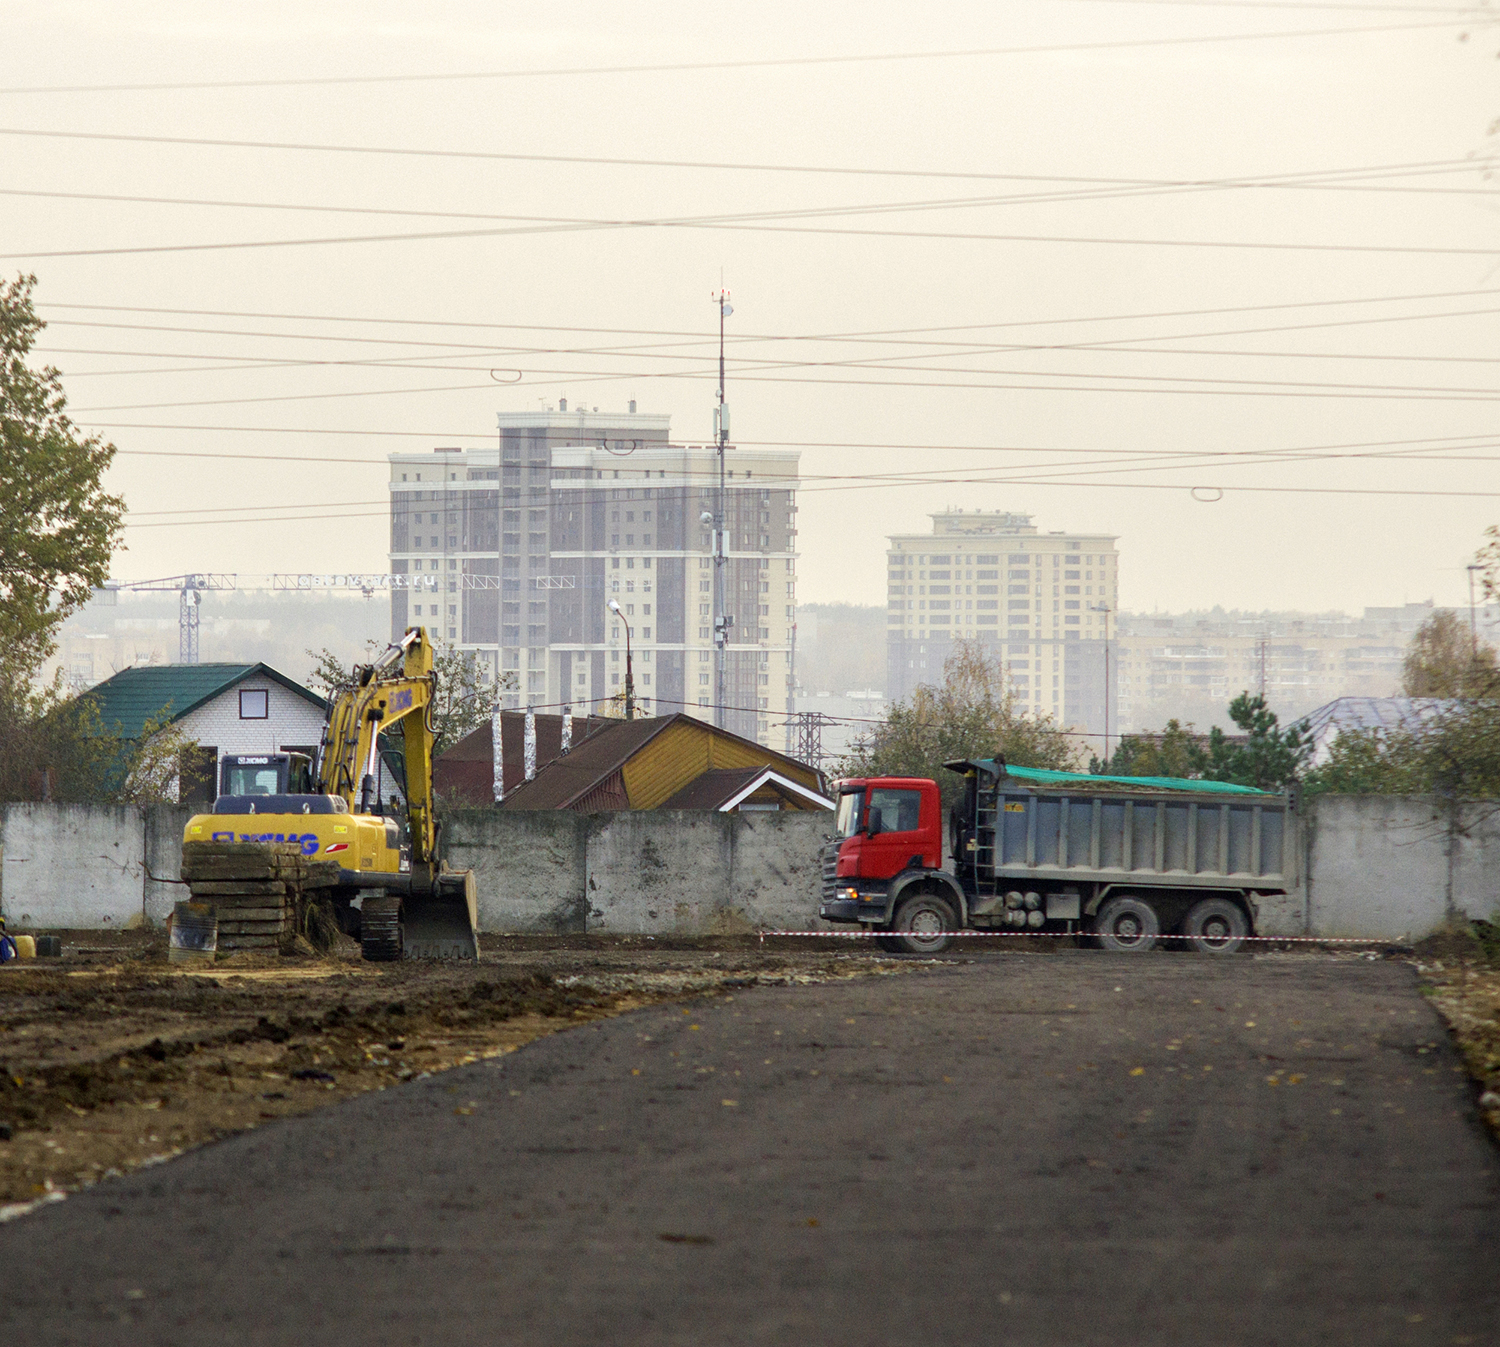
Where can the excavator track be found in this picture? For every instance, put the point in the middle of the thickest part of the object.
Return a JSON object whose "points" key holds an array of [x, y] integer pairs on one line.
{"points": [[380, 929]]}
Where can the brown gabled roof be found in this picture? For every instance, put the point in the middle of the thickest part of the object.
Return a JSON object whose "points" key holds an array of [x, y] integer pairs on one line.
{"points": [[564, 781], [595, 767], [716, 787], [713, 787], [466, 769]]}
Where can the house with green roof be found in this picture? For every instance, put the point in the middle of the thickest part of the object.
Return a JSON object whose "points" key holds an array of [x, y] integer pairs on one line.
{"points": [[224, 708]]}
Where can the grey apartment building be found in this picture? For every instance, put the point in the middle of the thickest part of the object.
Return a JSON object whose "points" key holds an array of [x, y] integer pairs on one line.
{"points": [[1046, 602], [513, 551]]}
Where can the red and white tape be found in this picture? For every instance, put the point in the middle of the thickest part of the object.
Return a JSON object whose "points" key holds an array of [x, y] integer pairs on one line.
{"points": [[1065, 935]]}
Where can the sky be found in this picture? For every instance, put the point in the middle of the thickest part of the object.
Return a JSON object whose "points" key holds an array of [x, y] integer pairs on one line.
{"points": [[1218, 277]]}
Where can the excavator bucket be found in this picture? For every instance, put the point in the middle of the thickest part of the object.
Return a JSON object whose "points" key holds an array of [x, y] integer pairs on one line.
{"points": [[444, 922]]}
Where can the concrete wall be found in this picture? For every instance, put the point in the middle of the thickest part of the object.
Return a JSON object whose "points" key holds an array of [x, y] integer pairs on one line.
{"points": [[1393, 866], [1377, 867], [87, 865], [646, 873]]}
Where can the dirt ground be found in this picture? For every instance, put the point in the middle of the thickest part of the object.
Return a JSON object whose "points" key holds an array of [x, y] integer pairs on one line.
{"points": [[112, 1058], [1461, 974]]}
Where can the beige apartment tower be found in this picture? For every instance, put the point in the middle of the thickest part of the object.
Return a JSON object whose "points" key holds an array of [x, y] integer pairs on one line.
{"points": [[1046, 602]]}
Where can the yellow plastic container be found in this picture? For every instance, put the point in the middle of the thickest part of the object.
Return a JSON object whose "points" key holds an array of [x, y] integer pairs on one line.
{"points": [[25, 946]]}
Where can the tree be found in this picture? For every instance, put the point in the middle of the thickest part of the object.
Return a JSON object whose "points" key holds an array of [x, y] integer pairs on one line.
{"points": [[1443, 661], [1454, 753], [53, 747], [974, 714], [1176, 751], [58, 526], [465, 697], [1267, 757]]}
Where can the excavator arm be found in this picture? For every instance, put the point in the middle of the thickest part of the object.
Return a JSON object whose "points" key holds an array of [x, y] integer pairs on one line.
{"points": [[396, 690]]}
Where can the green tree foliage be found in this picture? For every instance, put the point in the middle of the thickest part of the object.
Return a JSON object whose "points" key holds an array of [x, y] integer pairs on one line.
{"points": [[465, 695], [1455, 753], [1444, 661], [58, 526], [1175, 751], [1265, 756], [55, 747], [974, 714]]}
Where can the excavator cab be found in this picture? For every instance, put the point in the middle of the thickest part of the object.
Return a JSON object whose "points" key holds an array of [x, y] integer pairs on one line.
{"points": [[266, 774]]}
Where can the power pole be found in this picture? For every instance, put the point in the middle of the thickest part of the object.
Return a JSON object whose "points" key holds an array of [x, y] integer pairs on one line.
{"points": [[810, 738], [722, 620]]}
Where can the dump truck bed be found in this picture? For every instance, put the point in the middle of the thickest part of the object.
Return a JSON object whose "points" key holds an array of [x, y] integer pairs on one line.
{"points": [[1032, 830]]}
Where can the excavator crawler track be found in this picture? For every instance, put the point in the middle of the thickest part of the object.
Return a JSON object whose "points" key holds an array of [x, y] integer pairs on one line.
{"points": [[381, 936]]}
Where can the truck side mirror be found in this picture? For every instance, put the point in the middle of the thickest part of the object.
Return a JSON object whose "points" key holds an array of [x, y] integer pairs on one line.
{"points": [[872, 828]]}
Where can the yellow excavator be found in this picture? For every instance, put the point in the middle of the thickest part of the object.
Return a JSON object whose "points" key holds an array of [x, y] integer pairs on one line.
{"points": [[392, 891]]}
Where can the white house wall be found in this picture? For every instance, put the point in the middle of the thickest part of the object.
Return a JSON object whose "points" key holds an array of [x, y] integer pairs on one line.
{"points": [[292, 720]]}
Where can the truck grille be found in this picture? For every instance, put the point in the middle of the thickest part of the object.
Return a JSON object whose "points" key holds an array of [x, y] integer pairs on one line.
{"points": [[830, 861]]}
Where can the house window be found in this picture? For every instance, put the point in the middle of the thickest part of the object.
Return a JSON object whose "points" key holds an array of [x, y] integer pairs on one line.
{"points": [[254, 704]]}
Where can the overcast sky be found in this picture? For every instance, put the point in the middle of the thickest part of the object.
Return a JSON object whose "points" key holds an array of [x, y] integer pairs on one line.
{"points": [[1132, 253]]}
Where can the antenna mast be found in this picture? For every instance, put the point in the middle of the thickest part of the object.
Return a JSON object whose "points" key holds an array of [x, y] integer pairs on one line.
{"points": [[722, 620]]}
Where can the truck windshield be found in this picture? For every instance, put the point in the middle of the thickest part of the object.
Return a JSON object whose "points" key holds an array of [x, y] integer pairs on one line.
{"points": [[851, 805]]}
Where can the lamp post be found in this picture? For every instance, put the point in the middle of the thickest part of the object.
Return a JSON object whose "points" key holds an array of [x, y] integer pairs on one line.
{"points": [[1106, 610], [614, 607], [722, 621]]}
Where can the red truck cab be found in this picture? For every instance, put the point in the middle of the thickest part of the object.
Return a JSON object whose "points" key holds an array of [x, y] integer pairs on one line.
{"points": [[886, 851]]}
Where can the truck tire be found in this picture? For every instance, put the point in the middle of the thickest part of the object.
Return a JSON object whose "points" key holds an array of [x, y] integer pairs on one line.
{"points": [[1216, 926], [921, 925], [1126, 924]]}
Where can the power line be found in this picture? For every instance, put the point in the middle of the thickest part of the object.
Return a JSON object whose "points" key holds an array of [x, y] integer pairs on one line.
{"points": [[846, 336], [690, 66], [592, 225], [721, 165]]}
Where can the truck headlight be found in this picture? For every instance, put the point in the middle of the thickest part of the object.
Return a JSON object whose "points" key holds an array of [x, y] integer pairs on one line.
{"points": [[849, 895]]}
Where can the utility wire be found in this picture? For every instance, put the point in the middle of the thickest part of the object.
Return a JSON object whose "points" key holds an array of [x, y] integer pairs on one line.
{"points": [[844, 336], [595, 225], [691, 66]]}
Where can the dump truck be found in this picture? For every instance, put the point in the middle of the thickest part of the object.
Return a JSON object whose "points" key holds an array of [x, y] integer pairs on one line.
{"points": [[1122, 861], [392, 890]]}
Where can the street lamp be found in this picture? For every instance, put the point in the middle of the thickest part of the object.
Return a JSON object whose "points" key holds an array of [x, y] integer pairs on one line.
{"points": [[1106, 610], [614, 606]]}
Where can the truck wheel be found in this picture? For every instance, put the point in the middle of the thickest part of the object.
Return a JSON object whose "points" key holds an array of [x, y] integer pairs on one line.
{"points": [[922, 924], [1216, 926], [1126, 924]]}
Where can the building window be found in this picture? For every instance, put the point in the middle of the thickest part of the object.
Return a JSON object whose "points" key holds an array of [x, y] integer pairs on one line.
{"points": [[255, 704]]}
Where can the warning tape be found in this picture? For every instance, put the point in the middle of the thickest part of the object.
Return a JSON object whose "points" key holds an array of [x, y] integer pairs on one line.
{"points": [[1068, 935]]}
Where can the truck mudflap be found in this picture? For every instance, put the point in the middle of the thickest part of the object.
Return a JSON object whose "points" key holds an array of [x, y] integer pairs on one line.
{"points": [[443, 921]]}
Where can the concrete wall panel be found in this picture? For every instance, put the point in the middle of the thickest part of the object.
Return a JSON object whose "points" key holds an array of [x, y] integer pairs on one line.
{"points": [[162, 826], [71, 866], [776, 878], [529, 866], [655, 873], [1378, 867]]}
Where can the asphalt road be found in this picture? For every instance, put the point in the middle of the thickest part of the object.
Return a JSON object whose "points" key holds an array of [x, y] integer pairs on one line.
{"points": [[1074, 1149]]}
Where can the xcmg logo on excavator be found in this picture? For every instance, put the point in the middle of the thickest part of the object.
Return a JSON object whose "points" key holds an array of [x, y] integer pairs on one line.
{"points": [[307, 841]]}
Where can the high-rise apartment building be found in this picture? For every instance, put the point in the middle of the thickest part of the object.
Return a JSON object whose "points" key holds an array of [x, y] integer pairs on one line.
{"points": [[1047, 602], [514, 551]]}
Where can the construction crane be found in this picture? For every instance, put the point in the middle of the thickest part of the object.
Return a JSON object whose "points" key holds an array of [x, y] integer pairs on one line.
{"points": [[191, 588]]}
